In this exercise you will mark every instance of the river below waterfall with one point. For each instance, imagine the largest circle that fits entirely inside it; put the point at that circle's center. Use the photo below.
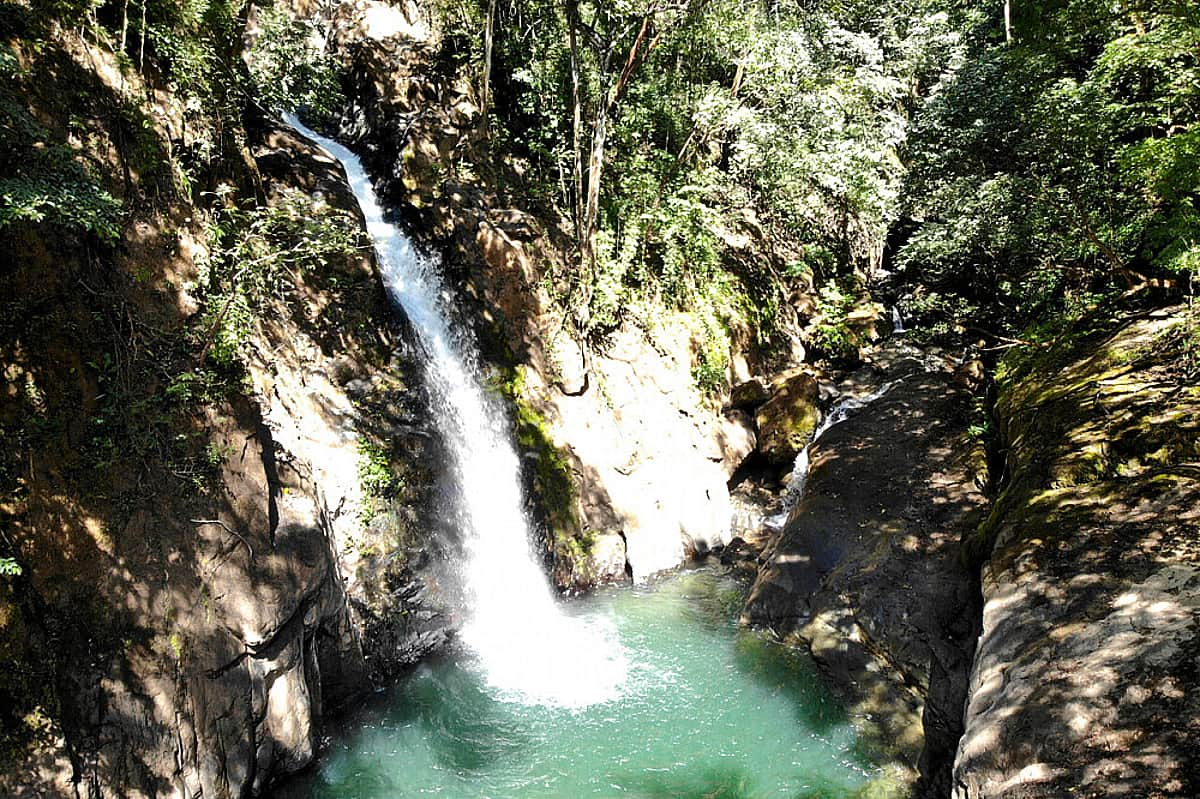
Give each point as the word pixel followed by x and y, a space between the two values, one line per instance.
pixel 705 710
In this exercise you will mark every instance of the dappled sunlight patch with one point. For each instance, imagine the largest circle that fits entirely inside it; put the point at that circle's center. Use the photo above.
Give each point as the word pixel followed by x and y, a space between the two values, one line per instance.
pixel 1093 588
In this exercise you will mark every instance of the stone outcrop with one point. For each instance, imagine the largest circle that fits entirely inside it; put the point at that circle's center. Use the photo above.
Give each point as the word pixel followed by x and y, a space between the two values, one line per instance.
pixel 202 574
pixel 866 570
pixel 749 394
pixel 1085 678
pixel 788 418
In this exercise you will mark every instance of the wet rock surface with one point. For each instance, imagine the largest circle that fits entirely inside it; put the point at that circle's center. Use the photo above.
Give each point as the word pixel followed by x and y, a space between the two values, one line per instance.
pixel 867 568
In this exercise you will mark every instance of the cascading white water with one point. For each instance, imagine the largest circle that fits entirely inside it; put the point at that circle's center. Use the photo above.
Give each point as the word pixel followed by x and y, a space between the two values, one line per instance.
pixel 528 650
pixel 839 413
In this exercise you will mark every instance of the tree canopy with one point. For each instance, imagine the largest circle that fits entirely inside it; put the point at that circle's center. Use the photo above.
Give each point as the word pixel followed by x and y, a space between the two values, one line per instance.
pixel 1005 164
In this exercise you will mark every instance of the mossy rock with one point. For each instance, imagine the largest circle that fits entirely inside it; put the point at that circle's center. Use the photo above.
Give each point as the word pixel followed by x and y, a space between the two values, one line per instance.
pixel 550 480
pixel 749 395
pixel 788 420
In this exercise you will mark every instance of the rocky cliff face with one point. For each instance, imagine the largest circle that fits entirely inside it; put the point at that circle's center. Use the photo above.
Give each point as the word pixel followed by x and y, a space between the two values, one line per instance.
pixel 1085 678
pixel 866 570
pixel 203 572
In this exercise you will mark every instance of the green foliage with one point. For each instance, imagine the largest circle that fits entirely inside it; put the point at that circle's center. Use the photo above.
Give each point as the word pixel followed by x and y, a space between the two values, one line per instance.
pixel 216 454
pixel 197 44
pixel 1041 176
pixel 287 72
pixel 258 252
pixel 57 188
pixel 832 333
pixel 815 259
pixel 1060 170
pixel 668 255
pixel 43 179
pixel 374 470
pixel 710 372
pixel 9 567
pixel 774 121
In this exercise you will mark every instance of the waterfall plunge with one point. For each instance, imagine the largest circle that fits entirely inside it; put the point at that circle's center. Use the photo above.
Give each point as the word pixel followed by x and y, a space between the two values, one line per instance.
pixel 527 648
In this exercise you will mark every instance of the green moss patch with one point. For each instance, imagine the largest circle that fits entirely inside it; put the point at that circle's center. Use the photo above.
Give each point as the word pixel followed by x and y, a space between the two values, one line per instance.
pixel 552 479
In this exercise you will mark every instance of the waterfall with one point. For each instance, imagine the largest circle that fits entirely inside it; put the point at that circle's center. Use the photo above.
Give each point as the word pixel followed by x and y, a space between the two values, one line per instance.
pixel 527 649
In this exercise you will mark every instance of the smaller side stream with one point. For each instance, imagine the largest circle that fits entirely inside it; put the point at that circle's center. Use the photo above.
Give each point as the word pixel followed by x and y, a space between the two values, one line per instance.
pixel 839 413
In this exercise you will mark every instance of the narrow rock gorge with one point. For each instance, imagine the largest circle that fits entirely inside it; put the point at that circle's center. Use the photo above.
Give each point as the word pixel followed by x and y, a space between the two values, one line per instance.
pixel 243 523
pixel 867 569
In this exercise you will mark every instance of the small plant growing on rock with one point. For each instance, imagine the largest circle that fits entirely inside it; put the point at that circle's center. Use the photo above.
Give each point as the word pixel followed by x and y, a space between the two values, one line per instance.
pixel 832 334
pixel 374 473
pixel 258 253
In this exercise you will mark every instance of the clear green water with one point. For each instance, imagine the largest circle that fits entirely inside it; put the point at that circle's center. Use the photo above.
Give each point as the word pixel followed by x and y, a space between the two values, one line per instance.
pixel 707 710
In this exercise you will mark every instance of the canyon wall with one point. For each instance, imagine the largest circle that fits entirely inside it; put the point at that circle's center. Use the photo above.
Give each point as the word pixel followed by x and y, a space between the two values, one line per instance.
pixel 203 570
pixel 1085 676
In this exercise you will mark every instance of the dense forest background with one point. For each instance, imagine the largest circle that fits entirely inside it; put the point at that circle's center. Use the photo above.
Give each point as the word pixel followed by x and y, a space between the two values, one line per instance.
pixel 988 168
pixel 996 170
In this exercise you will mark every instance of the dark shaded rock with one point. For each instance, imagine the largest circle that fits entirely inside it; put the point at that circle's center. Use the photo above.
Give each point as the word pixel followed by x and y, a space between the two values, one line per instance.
pixel 741 556
pixel 749 395
pixel 736 439
pixel 867 568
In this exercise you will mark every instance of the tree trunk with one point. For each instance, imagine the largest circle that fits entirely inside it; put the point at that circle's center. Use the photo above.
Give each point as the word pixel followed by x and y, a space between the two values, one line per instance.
pixel 1008 27
pixel 124 25
pixel 576 117
pixel 142 43
pixel 486 94
pixel 595 170
pixel 604 108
